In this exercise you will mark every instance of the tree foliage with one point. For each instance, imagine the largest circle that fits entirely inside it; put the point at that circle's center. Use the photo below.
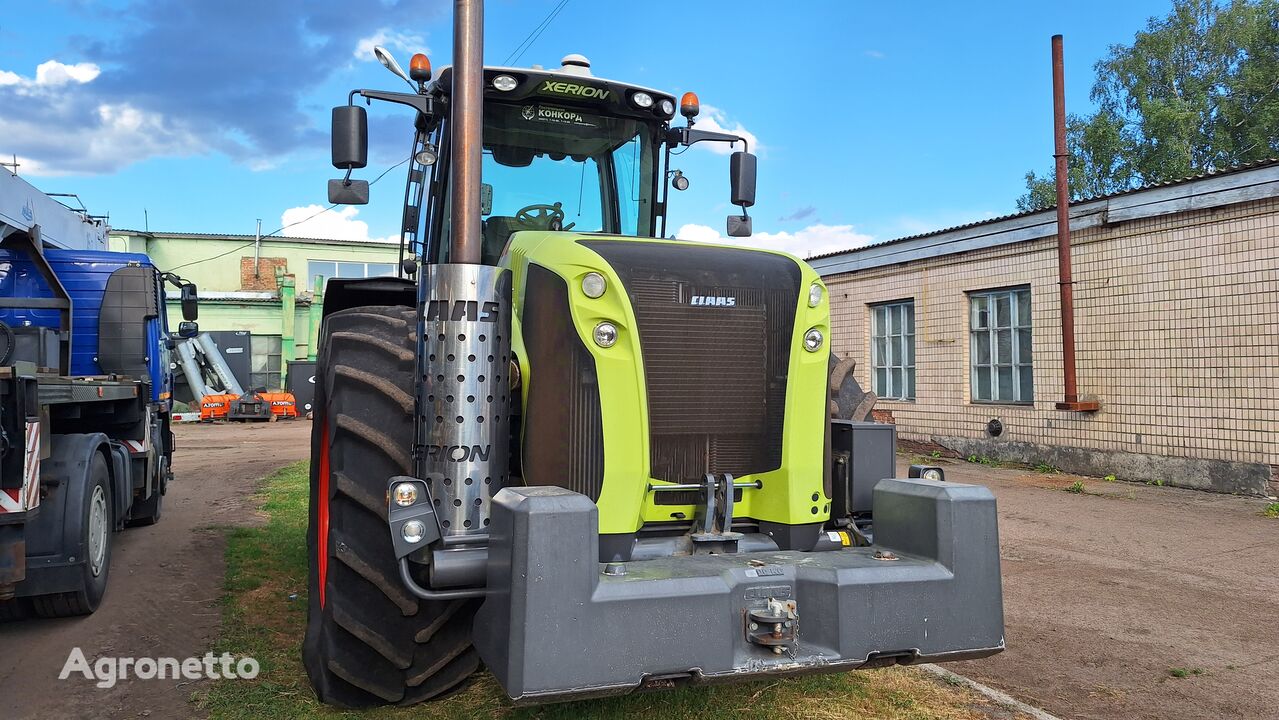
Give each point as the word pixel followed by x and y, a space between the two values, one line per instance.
pixel 1196 91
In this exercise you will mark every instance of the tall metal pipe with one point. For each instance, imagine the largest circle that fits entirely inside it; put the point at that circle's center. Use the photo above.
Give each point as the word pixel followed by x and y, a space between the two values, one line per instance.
pixel 1064 281
pixel 466 134
pixel 257 249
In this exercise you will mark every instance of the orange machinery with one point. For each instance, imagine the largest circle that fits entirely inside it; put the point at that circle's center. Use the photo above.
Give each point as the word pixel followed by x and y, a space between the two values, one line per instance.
pixel 264 406
pixel 216 407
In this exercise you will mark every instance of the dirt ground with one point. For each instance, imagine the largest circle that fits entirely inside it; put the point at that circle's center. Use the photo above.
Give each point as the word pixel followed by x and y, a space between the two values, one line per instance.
pixel 1112 593
pixel 162 596
pixel 1107 594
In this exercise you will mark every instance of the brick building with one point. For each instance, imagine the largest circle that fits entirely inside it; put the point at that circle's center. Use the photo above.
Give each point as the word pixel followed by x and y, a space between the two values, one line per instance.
pixel 1176 323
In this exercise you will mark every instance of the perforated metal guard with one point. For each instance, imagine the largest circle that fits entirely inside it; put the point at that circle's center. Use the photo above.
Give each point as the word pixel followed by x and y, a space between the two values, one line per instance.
pixel 464 356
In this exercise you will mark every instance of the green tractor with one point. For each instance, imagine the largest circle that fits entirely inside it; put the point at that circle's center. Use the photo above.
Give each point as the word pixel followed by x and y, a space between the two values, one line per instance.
pixel 589 458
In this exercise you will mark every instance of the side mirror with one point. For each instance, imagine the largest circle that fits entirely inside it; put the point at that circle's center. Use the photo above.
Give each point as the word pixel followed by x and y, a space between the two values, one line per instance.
pixel 188 329
pixel 739 226
pixel 741 169
pixel 348 192
pixel 350 137
pixel 190 302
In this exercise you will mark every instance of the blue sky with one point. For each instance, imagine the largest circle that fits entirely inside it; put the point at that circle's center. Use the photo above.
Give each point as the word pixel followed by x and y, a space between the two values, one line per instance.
pixel 874 120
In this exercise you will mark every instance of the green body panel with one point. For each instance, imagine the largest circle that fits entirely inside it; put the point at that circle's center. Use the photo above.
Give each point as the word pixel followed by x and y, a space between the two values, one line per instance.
pixel 625 504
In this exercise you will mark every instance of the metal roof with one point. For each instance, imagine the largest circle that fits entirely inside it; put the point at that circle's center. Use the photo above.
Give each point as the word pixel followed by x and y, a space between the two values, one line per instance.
pixel 251 238
pixel 1252 181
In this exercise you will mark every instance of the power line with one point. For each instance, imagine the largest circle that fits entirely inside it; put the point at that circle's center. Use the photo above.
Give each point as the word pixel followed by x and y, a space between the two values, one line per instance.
pixel 534 34
pixel 284 227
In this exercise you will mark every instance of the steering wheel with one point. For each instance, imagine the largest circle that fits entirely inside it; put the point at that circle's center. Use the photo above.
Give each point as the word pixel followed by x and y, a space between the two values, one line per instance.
pixel 550 217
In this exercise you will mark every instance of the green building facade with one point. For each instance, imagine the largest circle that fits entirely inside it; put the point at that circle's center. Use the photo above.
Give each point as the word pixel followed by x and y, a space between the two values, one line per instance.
pixel 270 288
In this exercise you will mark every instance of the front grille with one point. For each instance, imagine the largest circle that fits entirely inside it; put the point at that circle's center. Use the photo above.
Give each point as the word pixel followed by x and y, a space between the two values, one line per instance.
pixel 715 373
pixel 564 439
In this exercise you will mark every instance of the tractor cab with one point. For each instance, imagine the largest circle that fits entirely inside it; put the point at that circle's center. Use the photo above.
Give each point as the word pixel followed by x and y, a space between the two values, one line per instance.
pixel 562 151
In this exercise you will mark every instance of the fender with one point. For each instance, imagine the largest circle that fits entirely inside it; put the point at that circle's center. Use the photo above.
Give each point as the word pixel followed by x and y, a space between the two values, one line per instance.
pixel 119 464
pixel 346 293
pixel 54 535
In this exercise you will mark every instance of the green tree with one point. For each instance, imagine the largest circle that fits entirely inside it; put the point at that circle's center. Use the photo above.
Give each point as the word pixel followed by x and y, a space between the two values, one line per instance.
pixel 1196 91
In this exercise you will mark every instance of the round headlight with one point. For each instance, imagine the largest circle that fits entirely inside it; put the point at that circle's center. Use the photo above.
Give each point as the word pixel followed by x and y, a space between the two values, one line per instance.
pixel 593 284
pixel 642 100
pixel 405 494
pixel 667 107
pixel 813 340
pixel 814 295
pixel 426 156
pixel 605 334
pixel 505 83
pixel 932 474
pixel 413 531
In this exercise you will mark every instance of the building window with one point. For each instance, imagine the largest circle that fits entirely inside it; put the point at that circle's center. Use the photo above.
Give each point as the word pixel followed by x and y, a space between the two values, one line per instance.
pixel 264 362
pixel 338 269
pixel 1000 346
pixel 893 350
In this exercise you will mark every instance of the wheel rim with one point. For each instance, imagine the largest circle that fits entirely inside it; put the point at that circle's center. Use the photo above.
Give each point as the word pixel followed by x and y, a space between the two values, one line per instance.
pixel 97 530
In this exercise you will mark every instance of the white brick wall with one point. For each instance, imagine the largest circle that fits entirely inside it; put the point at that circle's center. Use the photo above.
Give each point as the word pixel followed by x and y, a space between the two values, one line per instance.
pixel 1176 326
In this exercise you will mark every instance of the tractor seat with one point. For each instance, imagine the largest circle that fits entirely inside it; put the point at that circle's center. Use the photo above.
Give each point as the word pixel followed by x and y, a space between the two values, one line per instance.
pixel 497 230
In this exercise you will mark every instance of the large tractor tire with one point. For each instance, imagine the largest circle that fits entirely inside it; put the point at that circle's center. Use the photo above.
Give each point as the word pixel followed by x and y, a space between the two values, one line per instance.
pixel 848 401
pixel 369 641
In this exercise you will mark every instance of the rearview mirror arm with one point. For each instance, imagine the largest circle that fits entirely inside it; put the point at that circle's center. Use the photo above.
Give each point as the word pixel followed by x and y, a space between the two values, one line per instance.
pixel 689 136
pixel 422 103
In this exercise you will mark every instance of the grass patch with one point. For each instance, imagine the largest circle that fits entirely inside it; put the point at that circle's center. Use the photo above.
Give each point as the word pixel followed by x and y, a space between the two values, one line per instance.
pixel 1077 487
pixel 1111 478
pixel 983 460
pixel 1184 672
pixel 264 615
pixel 1271 510
pixel 1046 469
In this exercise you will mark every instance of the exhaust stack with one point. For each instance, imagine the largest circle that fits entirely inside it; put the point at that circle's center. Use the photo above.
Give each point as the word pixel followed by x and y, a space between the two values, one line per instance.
pixel 464 346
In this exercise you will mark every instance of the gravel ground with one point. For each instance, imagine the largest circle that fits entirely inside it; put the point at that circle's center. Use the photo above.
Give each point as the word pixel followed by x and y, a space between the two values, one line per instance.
pixel 1132 601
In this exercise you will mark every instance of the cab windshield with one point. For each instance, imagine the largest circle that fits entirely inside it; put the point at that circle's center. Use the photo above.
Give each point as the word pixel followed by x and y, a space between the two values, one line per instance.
pixel 553 167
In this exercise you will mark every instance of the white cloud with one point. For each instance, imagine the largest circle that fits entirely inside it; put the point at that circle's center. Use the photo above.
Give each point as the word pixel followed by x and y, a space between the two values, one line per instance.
pixel 51 74
pixel 61 128
pixel 101 139
pixel 339 224
pixel 812 240
pixel 714 119
pixel 874 54
pixel 391 40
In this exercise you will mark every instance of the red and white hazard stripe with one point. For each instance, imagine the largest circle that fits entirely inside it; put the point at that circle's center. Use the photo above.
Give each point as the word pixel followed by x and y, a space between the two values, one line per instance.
pixel 26 497
pixel 136 447
pixel 31 465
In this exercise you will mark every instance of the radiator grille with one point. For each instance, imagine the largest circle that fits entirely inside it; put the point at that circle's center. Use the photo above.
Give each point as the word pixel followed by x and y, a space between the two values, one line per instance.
pixel 564 439
pixel 715 372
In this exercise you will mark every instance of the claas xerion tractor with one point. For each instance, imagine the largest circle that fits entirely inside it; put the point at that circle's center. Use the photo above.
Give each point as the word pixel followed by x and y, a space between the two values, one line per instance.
pixel 592 459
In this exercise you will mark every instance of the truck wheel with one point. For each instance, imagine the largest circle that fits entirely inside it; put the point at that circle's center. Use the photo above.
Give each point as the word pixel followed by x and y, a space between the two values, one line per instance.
pixel 369 641
pixel 147 512
pixel 97 531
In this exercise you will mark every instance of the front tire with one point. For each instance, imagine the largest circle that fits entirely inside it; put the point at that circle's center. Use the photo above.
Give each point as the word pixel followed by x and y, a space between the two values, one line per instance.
pixel 147 512
pixel 369 641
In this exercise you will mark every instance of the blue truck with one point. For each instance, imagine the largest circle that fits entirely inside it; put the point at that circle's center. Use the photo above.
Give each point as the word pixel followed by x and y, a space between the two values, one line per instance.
pixel 86 384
